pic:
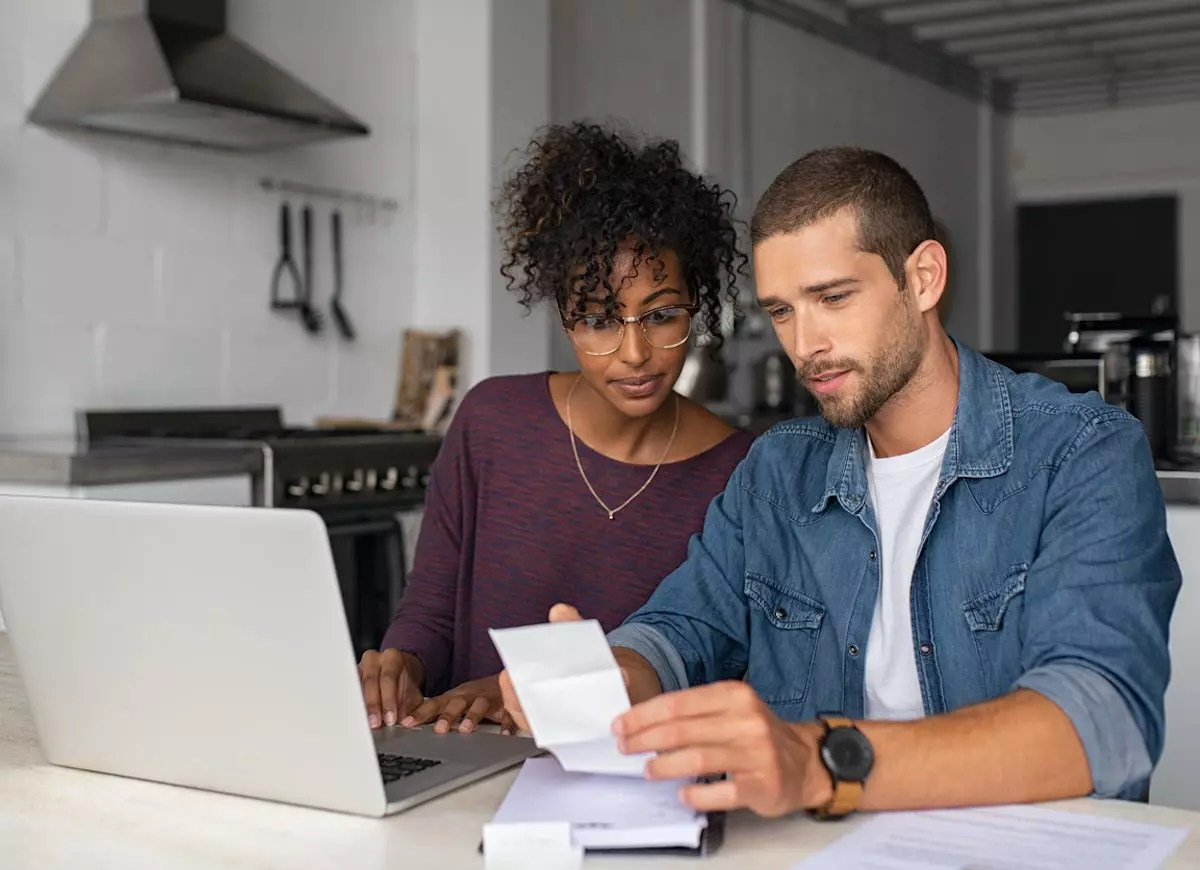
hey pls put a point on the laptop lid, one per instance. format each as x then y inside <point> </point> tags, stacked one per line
<point>198,646</point>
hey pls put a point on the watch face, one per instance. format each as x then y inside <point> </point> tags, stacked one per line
<point>847,754</point>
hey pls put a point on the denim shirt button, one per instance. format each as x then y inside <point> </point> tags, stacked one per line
<point>853,649</point>
<point>871,556</point>
<point>780,613</point>
<point>926,649</point>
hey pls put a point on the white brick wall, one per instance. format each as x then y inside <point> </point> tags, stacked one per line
<point>1115,153</point>
<point>132,273</point>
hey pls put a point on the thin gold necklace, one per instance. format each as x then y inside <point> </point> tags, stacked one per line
<point>612,512</point>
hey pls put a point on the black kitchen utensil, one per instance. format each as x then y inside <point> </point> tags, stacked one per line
<point>340,316</point>
<point>286,263</point>
<point>311,317</point>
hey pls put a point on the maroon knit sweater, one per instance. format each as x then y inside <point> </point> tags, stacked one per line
<point>510,529</point>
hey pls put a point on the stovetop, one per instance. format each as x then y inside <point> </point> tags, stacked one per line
<point>226,424</point>
<point>303,467</point>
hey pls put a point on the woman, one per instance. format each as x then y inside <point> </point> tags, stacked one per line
<point>580,486</point>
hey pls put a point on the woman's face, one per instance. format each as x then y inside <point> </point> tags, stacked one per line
<point>640,371</point>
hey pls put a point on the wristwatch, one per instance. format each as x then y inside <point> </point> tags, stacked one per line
<point>847,755</point>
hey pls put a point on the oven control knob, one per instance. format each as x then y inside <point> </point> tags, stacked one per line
<point>299,489</point>
<point>372,479</point>
<point>411,477</point>
<point>425,480</point>
<point>321,487</point>
<point>390,480</point>
<point>356,481</point>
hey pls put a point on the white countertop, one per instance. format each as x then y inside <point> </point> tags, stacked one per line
<point>52,817</point>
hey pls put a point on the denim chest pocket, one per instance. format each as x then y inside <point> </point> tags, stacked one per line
<point>785,625</point>
<point>994,618</point>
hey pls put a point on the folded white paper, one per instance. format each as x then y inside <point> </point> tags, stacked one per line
<point>521,845</point>
<point>570,689</point>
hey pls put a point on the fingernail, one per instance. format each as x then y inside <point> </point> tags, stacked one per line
<point>390,718</point>
<point>374,720</point>
<point>618,725</point>
<point>440,727</point>
<point>505,732</point>
<point>407,721</point>
<point>465,727</point>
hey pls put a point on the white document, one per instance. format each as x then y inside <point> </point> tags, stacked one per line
<point>545,845</point>
<point>570,689</point>
<point>999,838</point>
<point>604,812</point>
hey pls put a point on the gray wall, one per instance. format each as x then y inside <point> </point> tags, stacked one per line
<point>520,82</point>
<point>1004,238</point>
<point>625,59</point>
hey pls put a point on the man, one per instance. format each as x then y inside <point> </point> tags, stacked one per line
<point>954,589</point>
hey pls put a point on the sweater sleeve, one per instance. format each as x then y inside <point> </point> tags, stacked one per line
<point>424,622</point>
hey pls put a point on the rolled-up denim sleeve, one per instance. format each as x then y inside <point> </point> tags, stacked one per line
<point>693,628</point>
<point>1099,598</point>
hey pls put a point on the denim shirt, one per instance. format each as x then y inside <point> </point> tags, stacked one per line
<point>1044,565</point>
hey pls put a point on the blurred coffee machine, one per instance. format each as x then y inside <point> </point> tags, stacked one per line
<point>1140,363</point>
<point>774,384</point>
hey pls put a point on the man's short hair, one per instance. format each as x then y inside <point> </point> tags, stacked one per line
<point>893,214</point>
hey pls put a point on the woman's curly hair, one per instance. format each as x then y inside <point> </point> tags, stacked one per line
<point>587,191</point>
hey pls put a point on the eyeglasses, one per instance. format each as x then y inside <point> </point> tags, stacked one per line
<point>602,334</point>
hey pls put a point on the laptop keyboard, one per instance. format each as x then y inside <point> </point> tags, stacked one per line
<point>394,767</point>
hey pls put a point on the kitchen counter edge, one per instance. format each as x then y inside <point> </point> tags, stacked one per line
<point>64,464</point>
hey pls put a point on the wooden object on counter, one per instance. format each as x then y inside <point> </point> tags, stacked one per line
<point>427,390</point>
<point>428,378</point>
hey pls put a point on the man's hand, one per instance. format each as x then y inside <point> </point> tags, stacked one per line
<point>465,705</point>
<point>391,685</point>
<point>773,767</point>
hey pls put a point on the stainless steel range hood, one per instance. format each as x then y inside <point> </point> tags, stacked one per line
<point>168,70</point>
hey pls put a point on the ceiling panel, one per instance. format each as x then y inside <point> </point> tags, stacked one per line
<point>1059,55</point>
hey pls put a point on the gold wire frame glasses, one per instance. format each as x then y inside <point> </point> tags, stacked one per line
<point>602,334</point>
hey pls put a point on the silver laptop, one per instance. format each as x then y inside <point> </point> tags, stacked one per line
<point>208,647</point>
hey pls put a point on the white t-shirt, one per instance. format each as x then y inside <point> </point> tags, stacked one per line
<point>901,491</point>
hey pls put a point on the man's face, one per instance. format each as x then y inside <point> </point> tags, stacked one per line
<point>852,332</point>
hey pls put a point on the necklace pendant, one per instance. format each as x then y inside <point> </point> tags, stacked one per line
<point>610,515</point>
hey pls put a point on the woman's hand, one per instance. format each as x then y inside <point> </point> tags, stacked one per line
<point>465,706</point>
<point>391,685</point>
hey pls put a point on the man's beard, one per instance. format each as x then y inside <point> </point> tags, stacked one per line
<point>885,374</point>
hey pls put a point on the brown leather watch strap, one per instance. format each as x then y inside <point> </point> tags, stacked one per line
<point>836,722</point>
<point>846,798</point>
<point>846,795</point>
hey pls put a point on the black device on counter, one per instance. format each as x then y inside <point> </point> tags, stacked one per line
<point>1129,361</point>
<point>1152,393</point>
<point>774,383</point>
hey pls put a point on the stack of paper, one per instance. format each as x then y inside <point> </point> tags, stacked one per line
<point>604,812</point>
<point>999,838</point>
<point>570,689</point>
